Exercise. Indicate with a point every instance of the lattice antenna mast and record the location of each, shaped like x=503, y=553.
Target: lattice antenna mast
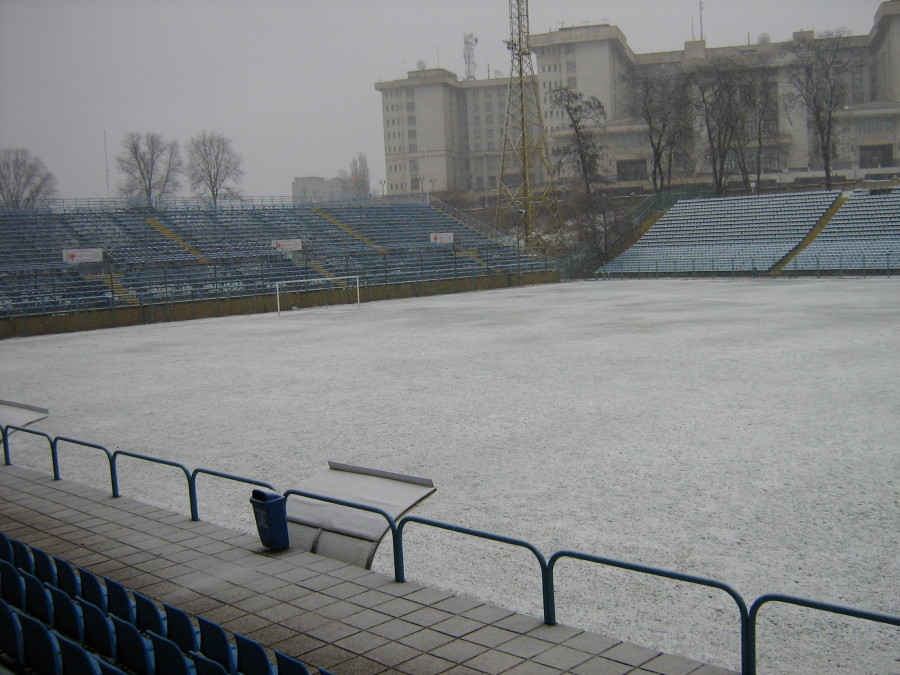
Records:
x=469, y=42
x=525, y=161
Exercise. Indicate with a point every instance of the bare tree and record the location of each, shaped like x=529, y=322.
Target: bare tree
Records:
x=660, y=99
x=212, y=162
x=151, y=166
x=716, y=97
x=761, y=100
x=586, y=222
x=23, y=179
x=359, y=176
x=582, y=149
x=818, y=74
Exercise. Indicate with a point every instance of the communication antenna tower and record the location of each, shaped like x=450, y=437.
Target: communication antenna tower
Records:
x=469, y=42
x=525, y=160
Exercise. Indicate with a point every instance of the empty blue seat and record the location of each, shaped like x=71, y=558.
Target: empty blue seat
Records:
x=6, y=552
x=133, y=650
x=11, y=642
x=22, y=556
x=205, y=666
x=38, y=602
x=169, y=658
x=76, y=659
x=214, y=644
x=42, y=652
x=251, y=657
x=67, y=578
x=92, y=589
x=67, y=615
x=98, y=629
x=118, y=599
x=107, y=668
x=181, y=630
x=147, y=616
x=44, y=566
x=288, y=665
x=12, y=589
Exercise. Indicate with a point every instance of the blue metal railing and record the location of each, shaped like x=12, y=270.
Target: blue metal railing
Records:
x=747, y=617
x=113, y=457
x=546, y=581
x=659, y=572
x=750, y=641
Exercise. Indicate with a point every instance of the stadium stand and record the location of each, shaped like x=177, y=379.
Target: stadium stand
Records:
x=746, y=234
x=153, y=256
x=45, y=629
x=863, y=235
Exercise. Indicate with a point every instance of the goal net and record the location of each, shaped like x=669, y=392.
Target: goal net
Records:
x=343, y=285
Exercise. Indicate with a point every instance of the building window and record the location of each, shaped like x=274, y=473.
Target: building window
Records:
x=411, y=120
x=573, y=83
x=410, y=106
x=875, y=126
x=411, y=134
x=412, y=147
x=413, y=165
x=570, y=67
x=876, y=156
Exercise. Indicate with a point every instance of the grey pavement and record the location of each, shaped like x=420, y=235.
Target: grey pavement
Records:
x=326, y=613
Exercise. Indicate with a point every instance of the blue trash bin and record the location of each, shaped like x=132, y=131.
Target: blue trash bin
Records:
x=270, y=510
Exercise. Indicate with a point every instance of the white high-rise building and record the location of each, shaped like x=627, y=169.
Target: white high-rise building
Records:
x=443, y=134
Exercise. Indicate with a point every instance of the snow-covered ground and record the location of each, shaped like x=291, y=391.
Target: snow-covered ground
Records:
x=741, y=430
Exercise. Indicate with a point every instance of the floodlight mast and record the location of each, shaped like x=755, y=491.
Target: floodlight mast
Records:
x=469, y=42
x=525, y=148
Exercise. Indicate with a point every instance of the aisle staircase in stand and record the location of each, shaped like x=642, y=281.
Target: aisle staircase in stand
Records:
x=809, y=238
x=168, y=234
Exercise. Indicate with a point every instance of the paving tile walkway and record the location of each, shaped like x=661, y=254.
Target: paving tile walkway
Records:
x=329, y=614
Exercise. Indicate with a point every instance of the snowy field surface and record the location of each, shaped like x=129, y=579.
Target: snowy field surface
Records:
x=745, y=431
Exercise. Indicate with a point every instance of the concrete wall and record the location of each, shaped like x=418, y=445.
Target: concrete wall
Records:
x=186, y=311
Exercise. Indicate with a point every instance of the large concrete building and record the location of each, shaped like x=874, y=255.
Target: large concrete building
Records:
x=443, y=134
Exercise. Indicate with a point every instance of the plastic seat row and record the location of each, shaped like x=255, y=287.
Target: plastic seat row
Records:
x=864, y=234
x=60, y=619
x=730, y=234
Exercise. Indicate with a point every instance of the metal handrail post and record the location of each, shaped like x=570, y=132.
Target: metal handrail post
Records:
x=192, y=495
x=33, y=433
x=546, y=583
x=395, y=532
x=750, y=665
x=6, y=457
x=668, y=574
x=109, y=458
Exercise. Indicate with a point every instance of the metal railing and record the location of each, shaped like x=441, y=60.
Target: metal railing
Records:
x=550, y=612
x=748, y=617
x=113, y=457
x=750, y=639
x=546, y=579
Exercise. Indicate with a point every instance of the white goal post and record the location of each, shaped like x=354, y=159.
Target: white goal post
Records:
x=322, y=280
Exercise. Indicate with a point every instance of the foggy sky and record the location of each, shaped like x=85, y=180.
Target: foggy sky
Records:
x=291, y=82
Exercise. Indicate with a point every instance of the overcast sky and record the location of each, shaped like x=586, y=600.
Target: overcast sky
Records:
x=291, y=82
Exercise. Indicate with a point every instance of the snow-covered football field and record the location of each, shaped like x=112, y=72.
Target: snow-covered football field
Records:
x=743, y=430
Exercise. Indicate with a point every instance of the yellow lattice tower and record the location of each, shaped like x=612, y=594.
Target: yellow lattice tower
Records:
x=526, y=175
